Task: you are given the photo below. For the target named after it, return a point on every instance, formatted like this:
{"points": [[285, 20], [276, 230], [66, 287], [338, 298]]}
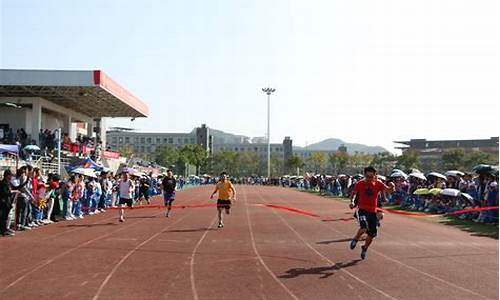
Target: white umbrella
{"points": [[399, 174], [450, 192], [418, 175], [437, 175], [454, 173], [467, 196], [85, 172], [32, 148], [129, 170]]}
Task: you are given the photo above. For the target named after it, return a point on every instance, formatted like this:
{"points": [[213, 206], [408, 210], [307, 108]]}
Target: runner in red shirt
{"points": [[366, 193]]}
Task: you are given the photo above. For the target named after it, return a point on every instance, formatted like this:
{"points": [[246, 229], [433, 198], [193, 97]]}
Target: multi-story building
{"points": [[283, 150], [149, 142], [432, 151]]}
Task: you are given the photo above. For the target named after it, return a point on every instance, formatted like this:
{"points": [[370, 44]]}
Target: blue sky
{"points": [[364, 71]]}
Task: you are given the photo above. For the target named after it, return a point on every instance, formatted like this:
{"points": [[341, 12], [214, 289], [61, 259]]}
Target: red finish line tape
{"points": [[463, 211], [295, 210], [164, 206], [454, 213]]}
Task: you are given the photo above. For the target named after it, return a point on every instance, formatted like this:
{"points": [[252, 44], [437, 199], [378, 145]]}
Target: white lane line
{"points": [[413, 268], [124, 258], [326, 258], [49, 261], [259, 256], [191, 262]]}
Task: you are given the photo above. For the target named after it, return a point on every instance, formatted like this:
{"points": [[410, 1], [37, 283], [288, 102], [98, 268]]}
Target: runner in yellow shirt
{"points": [[227, 193]]}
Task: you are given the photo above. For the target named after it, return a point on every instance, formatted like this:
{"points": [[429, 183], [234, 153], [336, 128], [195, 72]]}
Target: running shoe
{"points": [[220, 225], [353, 244], [363, 252]]}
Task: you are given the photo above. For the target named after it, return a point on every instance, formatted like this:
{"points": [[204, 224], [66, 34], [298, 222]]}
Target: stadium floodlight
{"points": [[268, 92]]}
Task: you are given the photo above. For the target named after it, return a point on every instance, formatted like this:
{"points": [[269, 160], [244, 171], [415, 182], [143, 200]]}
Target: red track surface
{"points": [[262, 253]]}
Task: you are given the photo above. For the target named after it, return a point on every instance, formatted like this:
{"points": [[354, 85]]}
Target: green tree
{"points": [[384, 162], [277, 166], [338, 161], [317, 161], [293, 163], [248, 164], [170, 157], [227, 161], [474, 158], [453, 159], [409, 159], [194, 155], [126, 151]]}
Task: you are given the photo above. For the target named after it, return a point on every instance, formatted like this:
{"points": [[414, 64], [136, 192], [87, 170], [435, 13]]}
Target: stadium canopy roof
{"points": [[89, 92]]}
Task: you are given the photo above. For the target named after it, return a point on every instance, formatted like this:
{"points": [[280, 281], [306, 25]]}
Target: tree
{"points": [[194, 155], [225, 161], [248, 164], [170, 157], [317, 161], [126, 151], [338, 161], [409, 159], [384, 162], [277, 165], [474, 158], [453, 159], [293, 163]]}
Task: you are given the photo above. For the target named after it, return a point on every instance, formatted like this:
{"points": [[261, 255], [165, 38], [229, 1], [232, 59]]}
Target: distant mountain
{"points": [[334, 144], [221, 137]]}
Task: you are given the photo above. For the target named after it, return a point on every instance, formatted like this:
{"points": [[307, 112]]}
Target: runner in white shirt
{"points": [[125, 189]]}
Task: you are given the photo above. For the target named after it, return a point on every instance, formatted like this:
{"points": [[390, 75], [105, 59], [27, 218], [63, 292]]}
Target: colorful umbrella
{"points": [[435, 191], [421, 192]]}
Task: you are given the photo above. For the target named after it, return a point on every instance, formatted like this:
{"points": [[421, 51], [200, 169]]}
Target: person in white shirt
{"points": [[125, 189]]}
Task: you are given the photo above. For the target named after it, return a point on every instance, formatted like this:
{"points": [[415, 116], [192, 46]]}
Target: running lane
{"points": [[262, 253]]}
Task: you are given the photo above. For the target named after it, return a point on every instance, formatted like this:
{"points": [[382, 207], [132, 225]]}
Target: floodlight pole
{"points": [[268, 91], [59, 151]]}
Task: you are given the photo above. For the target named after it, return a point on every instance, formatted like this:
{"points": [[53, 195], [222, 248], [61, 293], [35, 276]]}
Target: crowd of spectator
{"points": [[434, 193], [29, 200]]}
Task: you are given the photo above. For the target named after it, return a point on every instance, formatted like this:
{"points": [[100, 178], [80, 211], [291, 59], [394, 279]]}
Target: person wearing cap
{"points": [[226, 194], [168, 184], [5, 203], [365, 196]]}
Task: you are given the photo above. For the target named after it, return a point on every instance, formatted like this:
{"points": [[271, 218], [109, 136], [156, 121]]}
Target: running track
{"points": [[262, 253]]}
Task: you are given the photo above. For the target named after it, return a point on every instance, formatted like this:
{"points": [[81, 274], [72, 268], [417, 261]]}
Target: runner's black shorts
{"points": [[126, 201], [224, 204], [144, 193], [368, 220]]}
